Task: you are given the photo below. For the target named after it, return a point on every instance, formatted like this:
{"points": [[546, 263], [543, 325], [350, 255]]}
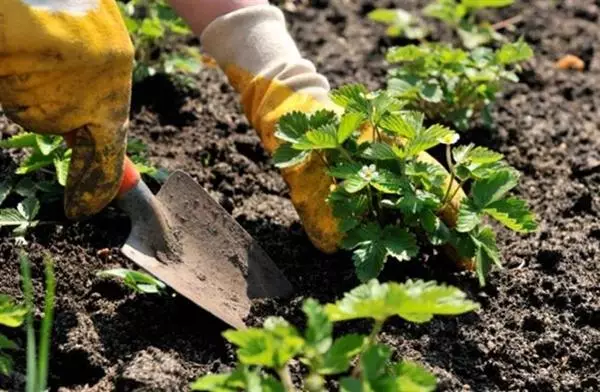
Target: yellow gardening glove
{"points": [[65, 68], [262, 62]]}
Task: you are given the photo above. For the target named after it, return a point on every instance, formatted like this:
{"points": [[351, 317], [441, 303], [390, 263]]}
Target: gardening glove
{"points": [[253, 47], [65, 69]]}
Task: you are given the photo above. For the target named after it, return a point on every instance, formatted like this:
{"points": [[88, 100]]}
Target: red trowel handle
{"points": [[131, 176]]}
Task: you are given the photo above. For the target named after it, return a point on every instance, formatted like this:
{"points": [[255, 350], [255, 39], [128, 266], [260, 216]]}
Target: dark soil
{"points": [[538, 329]]}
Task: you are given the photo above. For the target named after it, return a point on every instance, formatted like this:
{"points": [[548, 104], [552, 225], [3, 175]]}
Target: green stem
{"points": [[31, 379], [452, 175], [286, 379], [371, 340], [46, 329]]}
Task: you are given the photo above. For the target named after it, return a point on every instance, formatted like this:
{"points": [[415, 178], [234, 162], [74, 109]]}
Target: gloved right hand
{"points": [[65, 69], [253, 47]]}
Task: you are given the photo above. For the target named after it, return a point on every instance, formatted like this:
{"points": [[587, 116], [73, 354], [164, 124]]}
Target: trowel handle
{"points": [[131, 176]]}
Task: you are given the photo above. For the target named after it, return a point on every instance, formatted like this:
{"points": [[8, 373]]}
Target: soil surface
{"points": [[538, 329]]}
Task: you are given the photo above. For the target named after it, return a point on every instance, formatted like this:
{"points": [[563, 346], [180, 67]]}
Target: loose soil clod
{"points": [[539, 328]]}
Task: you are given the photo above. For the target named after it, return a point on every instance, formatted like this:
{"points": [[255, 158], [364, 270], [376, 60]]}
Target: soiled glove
{"points": [[66, 68], [262, 62]]}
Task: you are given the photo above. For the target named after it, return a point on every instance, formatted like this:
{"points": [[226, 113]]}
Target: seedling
{"points": [[139, 282], [386, 198], [37, 361], [452, 85], [150, 23], [358, 362], [458, 15], [12, 315]]}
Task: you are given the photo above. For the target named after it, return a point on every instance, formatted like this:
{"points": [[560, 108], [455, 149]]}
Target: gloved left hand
{"points": [[65, 68]]}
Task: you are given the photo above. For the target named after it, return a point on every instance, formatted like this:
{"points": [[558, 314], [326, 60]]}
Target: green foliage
{"points": [[139, 282], [386, 199], [12, 315], [451, 85], [459, 15], [152, 24], [43, 172], [38, 354], [274, 346]]}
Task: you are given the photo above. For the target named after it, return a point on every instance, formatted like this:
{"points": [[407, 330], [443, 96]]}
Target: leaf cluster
{"points": [[154, 26], [386, 198], [138, 282], [459, 15], [12, 315], [452, 85], [358, 362]]}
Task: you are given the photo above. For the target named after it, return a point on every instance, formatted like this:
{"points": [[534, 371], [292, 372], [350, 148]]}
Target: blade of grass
{"points": [[31, 382], [46, 329]]}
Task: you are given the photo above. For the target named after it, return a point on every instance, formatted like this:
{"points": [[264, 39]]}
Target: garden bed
{"points": [[539, 326]]}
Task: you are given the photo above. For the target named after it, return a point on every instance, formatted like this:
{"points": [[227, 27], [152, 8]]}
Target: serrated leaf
{"points": [[469, 217], [460, 154], [338, 358], [292, 126], [287, 156], [382, 105], [374, 361], [389, 182], [11, 217], [47, 143], [362, 235], [272, 346], [483, 155], [349, 123], [378, 151], [318, 334], [431, 92], [515, 52], [425, 174], [322, 117], [319, 139], [26, 187], [5, 188], [399, 243], [350, 384], [34, 162], [61, 166], [397, 124], [29, 208], [345, 170], [354, 184], [406, 53], [352, 97], [21, 140], [437, 231], [486, 253], [412, 377], [369, 260], [448, 11], [11, 314], [493, 188], [514, 214], [415, 301], [152, 28]]}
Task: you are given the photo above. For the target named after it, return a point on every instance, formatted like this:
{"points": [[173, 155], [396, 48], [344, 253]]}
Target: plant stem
{"points": [[286, 379], [46, 329], [31, 378], [452, 174], [371, 340]]}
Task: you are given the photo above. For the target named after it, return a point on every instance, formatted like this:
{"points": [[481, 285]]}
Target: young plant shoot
{"points": [[386, 197], [451, 85], [357, 362], [12, 315]]}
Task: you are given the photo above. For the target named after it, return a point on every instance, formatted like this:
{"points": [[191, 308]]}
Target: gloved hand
{"points": [[255, 50], [65, 69]]}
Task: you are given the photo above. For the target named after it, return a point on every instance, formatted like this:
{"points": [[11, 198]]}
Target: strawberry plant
{"points": [[451, 85], [386, 197], [356, 362], [150, 23], [12, 315], [460, 16], [138, 282], [42, 173]]}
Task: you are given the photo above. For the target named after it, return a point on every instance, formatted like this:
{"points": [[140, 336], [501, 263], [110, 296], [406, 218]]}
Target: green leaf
{"points": [[415, 301], [448, 11], [12, 217], [374, 361], [11, 314], [389, 182], [338, 358], [292, 126], [468, 217], [437, 231], [494, 188], [352, 97], [486, 254], [482, 155], [345, 170], [514, 214], [34, 162], [399, 243], [349, 384], [272, 346], [6, 187], [213, 382], [319, 139], [47, 143], [397, 124], [6, 343], [29, 208], [152, 28], [6, 364], [287, 156], [515, 52], [21, 140], [354, 184], [378, 151], [369, 260], [364, 234], [397, 16], [431, 92], [348, 125], [474, 36], [322, 117], [139, 282], [182, 63], [319, 328], [62, 169], [479, 4], [425, 174], [412, 377], [406, 53]]}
